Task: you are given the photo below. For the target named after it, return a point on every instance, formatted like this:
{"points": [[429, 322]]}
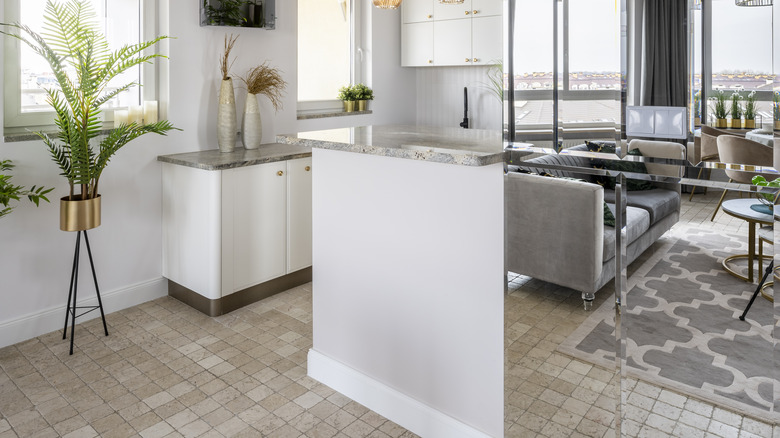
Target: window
{"points": [[27, 75], [585, 79], [328, 42]]}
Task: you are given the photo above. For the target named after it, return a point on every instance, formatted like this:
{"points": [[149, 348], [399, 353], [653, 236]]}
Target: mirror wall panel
{"points": [[662, 349]]}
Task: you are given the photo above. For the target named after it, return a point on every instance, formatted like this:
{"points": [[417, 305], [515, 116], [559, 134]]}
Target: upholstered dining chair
{"points": [[708, 150], [739, 150]]}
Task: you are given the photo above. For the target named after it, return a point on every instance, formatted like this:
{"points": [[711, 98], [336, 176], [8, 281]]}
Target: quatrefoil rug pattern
{"points": [[682, 326]]}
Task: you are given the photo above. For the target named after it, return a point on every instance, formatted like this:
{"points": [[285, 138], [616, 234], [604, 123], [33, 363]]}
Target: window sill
{"points": [[307, 115], [12, 135]]}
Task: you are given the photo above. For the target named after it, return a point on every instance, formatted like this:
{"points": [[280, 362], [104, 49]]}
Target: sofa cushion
{"points": [[608, 182], [659, 203], [637, 220]]}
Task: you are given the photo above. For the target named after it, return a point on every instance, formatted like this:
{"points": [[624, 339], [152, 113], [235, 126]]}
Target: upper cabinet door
{"points": [[481, 8], [417, 44], [415, 11], [450, 11], [452, 42], [486, 40]]}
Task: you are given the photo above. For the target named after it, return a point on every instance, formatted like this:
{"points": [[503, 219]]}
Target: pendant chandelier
{"points": [[387, 4], [753, 2], [451, 2]]}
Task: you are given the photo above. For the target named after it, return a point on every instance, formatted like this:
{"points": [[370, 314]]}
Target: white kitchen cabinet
{"points": [[236, 232], [259, 216], [415, 11], [464, 34], [417, 41], [445, 11], [486, 40], [298, 214], [482, 8], [452, 42]]}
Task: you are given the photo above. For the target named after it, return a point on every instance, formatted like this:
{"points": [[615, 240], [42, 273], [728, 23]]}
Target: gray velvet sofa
{"points": [[555, 227]]}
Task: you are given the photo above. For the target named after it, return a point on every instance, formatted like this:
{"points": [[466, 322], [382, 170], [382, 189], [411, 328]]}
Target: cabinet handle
{"points": [[475, 60], [308, 168], [280, 173], [430, 61], [475, 12], [429, 16], [468, 60], [467, 12]]}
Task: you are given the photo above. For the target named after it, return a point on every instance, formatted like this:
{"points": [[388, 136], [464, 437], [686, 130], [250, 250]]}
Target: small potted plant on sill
{"points": [[362, 95], [719, 110], [736, 111], [347, 95], [750, 110], [776, 108]]}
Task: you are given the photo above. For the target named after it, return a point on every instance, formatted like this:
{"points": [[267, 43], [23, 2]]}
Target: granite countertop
{"points": [[466, 147], [215, 160]]}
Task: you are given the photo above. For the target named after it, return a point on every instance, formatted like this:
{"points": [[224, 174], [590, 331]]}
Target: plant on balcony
{"points": [[10, 192], [697, 107], [719, 109], [776, 108], [736, 110], [750, 110]]}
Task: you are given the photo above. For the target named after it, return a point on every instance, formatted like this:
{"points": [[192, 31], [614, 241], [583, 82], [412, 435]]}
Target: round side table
{"points": [[740, 208]]}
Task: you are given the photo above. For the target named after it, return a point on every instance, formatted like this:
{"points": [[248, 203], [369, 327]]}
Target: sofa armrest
{"points": [[554, 229]]}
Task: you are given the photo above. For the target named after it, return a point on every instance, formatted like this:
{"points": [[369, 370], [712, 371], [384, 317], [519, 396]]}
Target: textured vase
{"points": [[251, 125], [226, 117]]}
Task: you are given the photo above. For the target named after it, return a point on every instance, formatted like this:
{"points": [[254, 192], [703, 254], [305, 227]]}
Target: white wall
{"points": [[440, 97], [36, 256]]}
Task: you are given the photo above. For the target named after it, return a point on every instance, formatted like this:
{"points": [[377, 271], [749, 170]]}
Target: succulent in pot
{"points": [[347, 95]]}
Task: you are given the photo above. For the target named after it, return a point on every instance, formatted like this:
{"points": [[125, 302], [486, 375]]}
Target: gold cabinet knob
{"points": [[468, 60], [475, 60], [308, 168], [430, 61], [467, 12], [280, 173], [429, 16], [475, 12]]}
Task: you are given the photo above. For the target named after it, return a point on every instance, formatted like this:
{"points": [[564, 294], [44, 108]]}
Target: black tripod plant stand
{"points": [[758, 289], [72, 308]]}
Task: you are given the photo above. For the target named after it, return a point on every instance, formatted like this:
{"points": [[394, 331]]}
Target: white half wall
{"points": [[408, 287]]}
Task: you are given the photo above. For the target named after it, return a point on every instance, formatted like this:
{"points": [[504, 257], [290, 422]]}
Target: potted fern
{"points": [[750, 110], [736, 111], [83, 66], [10, 192]]}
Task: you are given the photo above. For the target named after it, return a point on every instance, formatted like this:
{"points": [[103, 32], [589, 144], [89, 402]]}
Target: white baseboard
{"points": [[386, 401], [35, 324]]}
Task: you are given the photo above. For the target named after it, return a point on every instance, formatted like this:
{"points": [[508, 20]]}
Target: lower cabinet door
{"points": [[259, 199], [299, 214]]}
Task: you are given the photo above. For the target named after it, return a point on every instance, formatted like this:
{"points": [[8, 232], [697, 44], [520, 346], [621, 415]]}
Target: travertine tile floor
{"points": [[168, 371]]}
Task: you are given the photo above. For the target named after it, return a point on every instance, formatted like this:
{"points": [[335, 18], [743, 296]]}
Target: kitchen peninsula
{"points": [[407, 226]]}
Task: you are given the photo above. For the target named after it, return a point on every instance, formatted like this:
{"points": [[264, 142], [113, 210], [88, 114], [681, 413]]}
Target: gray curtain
{"points": [[665, 65]]}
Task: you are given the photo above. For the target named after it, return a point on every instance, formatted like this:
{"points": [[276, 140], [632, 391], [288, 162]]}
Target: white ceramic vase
{"points": [[226, 117], [251, 125]]}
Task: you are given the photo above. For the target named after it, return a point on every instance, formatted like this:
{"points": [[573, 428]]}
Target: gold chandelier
{"points": [[387, 4]]}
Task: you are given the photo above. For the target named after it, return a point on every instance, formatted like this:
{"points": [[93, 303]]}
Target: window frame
{"points": [[356, 60], [14, 118]]}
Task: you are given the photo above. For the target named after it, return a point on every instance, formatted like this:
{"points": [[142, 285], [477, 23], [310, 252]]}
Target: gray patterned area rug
{"points": [[683, 330]]}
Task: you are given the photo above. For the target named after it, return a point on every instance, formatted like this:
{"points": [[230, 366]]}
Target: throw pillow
{"points": [[608, 182]]}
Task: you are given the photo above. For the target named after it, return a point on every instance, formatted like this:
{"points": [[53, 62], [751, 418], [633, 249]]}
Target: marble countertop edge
{"points": [[213, 159]]}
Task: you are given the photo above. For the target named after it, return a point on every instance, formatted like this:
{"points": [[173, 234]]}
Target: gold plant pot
{"points": [[777, 124], [362, 105], [78, 214], [349, 106], [721, 123], [750, 123], [736, 123]]}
